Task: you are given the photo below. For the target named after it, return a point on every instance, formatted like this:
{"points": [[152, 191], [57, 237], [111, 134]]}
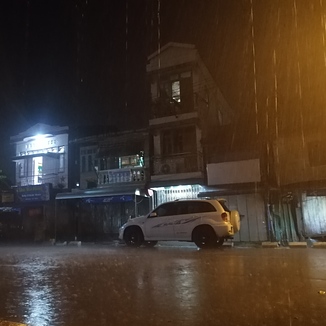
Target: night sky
{"points": [[65, 62]]}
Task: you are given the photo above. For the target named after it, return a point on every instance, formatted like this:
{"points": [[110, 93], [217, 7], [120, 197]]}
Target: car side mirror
{"points": [[154, 214]]}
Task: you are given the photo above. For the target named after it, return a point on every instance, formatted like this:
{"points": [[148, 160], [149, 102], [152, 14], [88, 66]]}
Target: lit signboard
{"points": [[7, 197], [33, 193]]}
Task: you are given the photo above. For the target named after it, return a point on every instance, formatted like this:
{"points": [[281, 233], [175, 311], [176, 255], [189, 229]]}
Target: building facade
{"points": [[113, 170], [41, 156], [41, 170], [186, 106]]}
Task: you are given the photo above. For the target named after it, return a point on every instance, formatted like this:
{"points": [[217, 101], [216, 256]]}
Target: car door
{"points": [[159, 224], [188, 216]]}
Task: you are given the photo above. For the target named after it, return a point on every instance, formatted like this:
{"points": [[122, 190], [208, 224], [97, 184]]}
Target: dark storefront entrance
{"points": [[96, 215], [11, 224]]}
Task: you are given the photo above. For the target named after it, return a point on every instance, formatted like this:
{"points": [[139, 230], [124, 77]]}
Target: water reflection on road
{"points": [[39, 295], [107, 285]]}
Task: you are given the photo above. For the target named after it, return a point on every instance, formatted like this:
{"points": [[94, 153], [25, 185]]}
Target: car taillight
{"points": [[224, 217]]}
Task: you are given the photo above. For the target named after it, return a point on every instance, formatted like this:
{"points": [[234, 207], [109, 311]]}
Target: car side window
{"points": [[166, 210], [200, 207], [206, 207], [182, 208]]}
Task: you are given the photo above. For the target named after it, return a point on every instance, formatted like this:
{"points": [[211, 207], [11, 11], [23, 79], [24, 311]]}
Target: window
{"points": [[83, 164], [200, 207], [21, 168], [62, 163], [166, 210], [90, 163], [182, 208], [176, 90], [179, 89], [103, 164], [87, 158], [131, 161], [179, 141], [126, 161], [37, 170]]}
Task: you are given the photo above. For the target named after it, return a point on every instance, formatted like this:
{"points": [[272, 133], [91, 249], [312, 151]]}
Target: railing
{"points": [[167, 107], [179, 163], [125, 175], [39, 179]]}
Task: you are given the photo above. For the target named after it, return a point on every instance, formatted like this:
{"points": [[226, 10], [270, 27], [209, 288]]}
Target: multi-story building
{"points": [[186, 107], [111, 185], [41, 159], [42, 156], [190, 124]]}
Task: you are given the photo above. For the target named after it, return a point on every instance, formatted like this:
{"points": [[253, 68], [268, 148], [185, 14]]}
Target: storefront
{"points": [[11, 225], [35, 205], [175, 192], [97, 214]]}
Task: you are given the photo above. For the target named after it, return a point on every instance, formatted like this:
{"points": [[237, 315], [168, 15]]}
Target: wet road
{"points": [[114, 285]]}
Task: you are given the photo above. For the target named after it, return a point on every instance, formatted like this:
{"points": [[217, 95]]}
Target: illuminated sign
{"points": [[7, 197], [33, 193]]}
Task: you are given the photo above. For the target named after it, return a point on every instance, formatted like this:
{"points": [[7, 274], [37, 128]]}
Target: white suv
{"points": [[206, 222]]}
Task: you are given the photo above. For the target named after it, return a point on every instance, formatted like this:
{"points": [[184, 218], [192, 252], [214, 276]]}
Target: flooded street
{"points": [[115, 285]]}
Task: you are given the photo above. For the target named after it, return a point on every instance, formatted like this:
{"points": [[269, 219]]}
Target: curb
{"points": [[298, 244], [293, 245], [269, 244], [319, 245]]}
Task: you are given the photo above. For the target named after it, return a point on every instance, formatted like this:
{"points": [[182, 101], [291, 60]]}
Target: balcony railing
{"points": [[54, 179], [178, 163], [163, 107], [125, 175]]}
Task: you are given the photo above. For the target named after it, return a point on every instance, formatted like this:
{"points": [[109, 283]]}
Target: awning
{"points": [[10, 210], [48, 154], [180, 182], [116, 198], [88, 195], [232, 189]]}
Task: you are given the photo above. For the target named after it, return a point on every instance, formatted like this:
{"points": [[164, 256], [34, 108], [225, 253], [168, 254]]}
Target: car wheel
{"points": [[235, 221], [204, 237], [149, 244], [219, 242], [133, 237]]}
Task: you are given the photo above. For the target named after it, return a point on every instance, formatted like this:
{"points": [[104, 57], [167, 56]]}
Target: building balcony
{"points": [[161, 114], [179, 166], [54, 179], [113, 177], [173, 120]]}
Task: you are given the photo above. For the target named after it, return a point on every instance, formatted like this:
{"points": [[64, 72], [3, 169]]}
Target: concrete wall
{"points": [[234, 172]]}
